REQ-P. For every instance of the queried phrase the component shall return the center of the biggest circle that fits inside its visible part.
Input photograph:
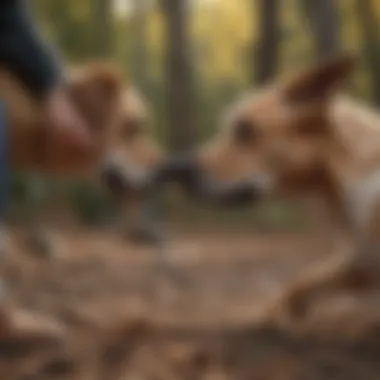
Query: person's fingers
(69, 143)
(74, 130)
(71, 137)
(69, 129)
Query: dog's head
(118, 117)
(272, 140)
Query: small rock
(45, 245)
(144, 234)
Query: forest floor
(194, 309)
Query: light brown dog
(297, 138)
(123, 154)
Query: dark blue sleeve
(23, 51)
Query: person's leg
(4, 162)
(4, 177)
(25, 52)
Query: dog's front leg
(322, 278)
(353, 269)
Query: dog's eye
(245, 132)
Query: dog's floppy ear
(321, 81)
(105, 77)
(103, 80)
(95, 89)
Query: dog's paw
(295, 303)
(289, 309)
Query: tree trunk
(140, 53)
(265, 51)
(324, 20)
(102, 27)
(371, 43)
(178, 74)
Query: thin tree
(178, 74)
(102, 26)
(266, 48)
(324, 21)
(371, 43)
(140, 51)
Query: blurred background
(207, 290)
(191, 58)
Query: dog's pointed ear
(321, 81)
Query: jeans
(4, 162)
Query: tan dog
(123, 154)
(301, 138)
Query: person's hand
(62, 116)
(67, 130)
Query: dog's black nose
(113, 180)
(238, 194)
(183, 170)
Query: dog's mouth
(119, 181)
(185, 171)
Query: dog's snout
(237, 195)
(185, 171)
(113, 180)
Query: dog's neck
(352, 164)
(352, 196)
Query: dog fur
(117, 117)
(302, 137)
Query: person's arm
(24, 52)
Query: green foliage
(69, 24)
(90, 206)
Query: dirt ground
(194, 308)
